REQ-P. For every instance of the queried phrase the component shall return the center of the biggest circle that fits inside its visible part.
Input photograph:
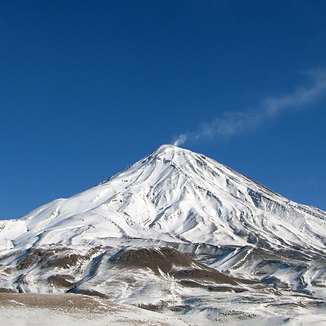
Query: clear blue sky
(89, 87)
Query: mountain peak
(166, 152)
(176, 154)
(166, 148)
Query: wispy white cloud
(233, 123)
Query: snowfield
(177, 234)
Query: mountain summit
(182, 217)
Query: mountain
(198, 233)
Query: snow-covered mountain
(174, 195)
(182, 220)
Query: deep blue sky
(89, 87)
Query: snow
(171, 192)
(184, 200)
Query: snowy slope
(267, 244)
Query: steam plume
(232, 123)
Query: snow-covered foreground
(31, 309)
(74, 309)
